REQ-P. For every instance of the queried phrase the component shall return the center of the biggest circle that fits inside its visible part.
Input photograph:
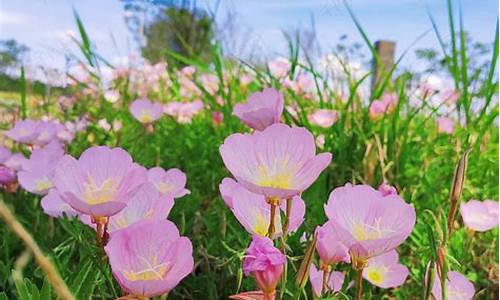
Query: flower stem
(359, 285)
(101, 230)
(270, 230)
(287, 217)
(326, 276)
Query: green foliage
(11, 54)
(187, 32)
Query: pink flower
(100, 182)
(37, 175)
(25, 131)
(445, 125)
(146, 111)
(7, 176)
(262, 109)
(265, 263)
(227, 188)
(386, 189)
(253, 212)
(104, 124)
(54, 206)
(480, 215)
(149, 258)
(146, 204)
(320, 141)
(278, 162)
(64, 134)
(323, 117)
(5, 154)
(112, 96)
(385, 105)
(188, 71)
(334, 284)
(172, 181)
(279, 67)
(329, 247)
(253, 295)
(385, 271)
(458, 287)
(217, 117)
(450, 96)
(246, 79)
(46, 132)
(15, 162)
(304, 83)
(183, 112)
(210, 82)
(368, 223)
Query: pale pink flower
(100, 182)
(262, 109)
(450, 96)
(265, 263)
(480, 215)
(253, 212)
(329, 247)
(458, 287)
(385, 271)
(279, 67)
(172, 181)
(146, 111)
(445, 125)
(24, 131)
(334, 283)
(15, 161)
(387, 189)
(385, 105)
(149, 258)
(146, 204)
(5, 154)
(104, 124)
(278, 162)
(323, 117)
(112, 96)
(210, 82)
(368, 223)
(227, 189)
(37, 174)
(54, 206)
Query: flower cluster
(126, 204)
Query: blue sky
(43, 25)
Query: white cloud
(11, 18)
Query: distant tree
(177, 26)
(12, 54)
(186, 32)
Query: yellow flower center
(153, 271)
(376, 276)
(44, 184)
(277, 175)
(363, 232)
(261, 225)
(146, 117)
(95, 194)
(156, 273)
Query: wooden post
(385, 51)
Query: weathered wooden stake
(385, 51)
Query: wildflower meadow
(214, 177)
